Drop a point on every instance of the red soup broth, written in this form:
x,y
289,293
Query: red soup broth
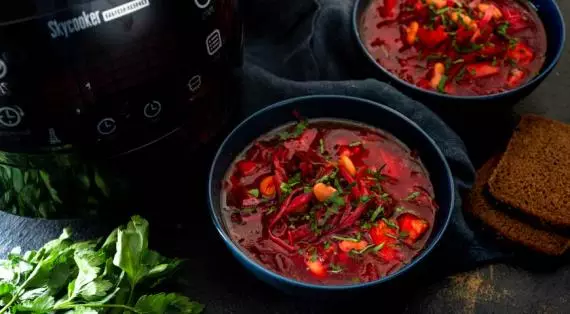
x,y
458,47
329,202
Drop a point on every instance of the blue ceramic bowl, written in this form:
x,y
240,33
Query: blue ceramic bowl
x,y
551,17
339,107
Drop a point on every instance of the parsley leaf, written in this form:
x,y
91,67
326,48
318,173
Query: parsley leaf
x,y
254,192
322,146
376,213
390,223
412,196
354,144
298,129
335,269
98,275
339,238
441,85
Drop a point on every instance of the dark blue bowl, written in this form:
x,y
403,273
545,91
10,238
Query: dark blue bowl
x,y
348,108
551,17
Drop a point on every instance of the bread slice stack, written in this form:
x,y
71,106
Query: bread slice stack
x,y
524,194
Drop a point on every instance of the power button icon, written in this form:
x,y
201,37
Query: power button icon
x,y
202,4
3,69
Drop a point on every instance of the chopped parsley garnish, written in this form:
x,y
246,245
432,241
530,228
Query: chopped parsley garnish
x,y
335,269
472,48
339,238
391,236
314,255
296,132
364,199
458,61
253,192
337,185
293,181
307,189
404,234
473,72
376,213
390,223
502,29
412,196
460,74
369,248
385,196
249,210
271,210
366,226
494,62
434,56
354,144
399,209
328,177
322,146
441,85
441,11
326,245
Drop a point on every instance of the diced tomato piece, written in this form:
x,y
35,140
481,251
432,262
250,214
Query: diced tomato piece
x,y
347,246
515,77
414,226
246,167
521,54
387,10
482,69
491,50
317,268
463,35
394,166
383,233
432,38
516,20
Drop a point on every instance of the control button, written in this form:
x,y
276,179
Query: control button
x,y
195,83
53,139
10,117
214,42
107,126
152,109
3,69
4,90
202,4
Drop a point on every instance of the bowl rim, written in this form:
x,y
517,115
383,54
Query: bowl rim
x,y
545,70
258,268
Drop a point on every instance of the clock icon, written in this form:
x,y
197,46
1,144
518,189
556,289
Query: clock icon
x,y
10,117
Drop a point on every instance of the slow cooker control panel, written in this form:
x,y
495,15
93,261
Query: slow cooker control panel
x,y
115,77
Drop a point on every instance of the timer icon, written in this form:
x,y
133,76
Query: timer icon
x,y
10,117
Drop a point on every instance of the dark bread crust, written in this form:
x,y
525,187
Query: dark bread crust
x,y
534,174
510,228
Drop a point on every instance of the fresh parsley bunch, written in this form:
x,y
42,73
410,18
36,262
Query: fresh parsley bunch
x,y
91,277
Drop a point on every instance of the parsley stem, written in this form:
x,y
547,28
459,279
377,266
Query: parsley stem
x,y
22,287
96,305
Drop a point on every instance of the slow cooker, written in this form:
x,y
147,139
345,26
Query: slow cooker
x,y
84,85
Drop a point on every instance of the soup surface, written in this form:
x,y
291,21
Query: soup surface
x,y
329,202
459,47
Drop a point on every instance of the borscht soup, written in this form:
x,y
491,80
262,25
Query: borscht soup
x,y
329,202
457,47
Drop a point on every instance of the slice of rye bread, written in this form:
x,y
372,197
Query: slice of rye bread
x,y
533,176
479,206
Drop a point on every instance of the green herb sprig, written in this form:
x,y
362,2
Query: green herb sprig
x,y
91,277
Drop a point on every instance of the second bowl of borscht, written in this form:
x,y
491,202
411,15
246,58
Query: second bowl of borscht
x,y
325,193
460,52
